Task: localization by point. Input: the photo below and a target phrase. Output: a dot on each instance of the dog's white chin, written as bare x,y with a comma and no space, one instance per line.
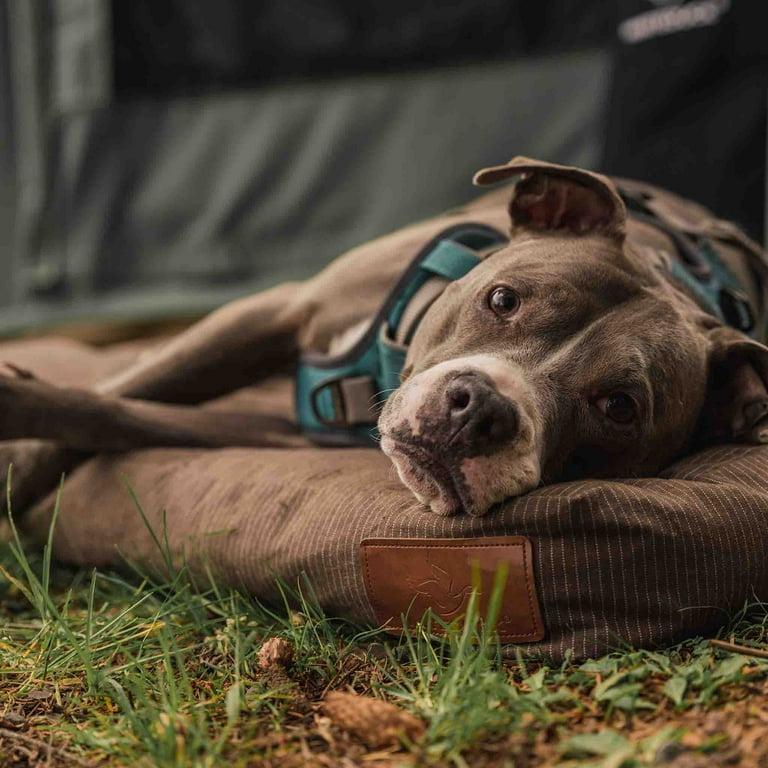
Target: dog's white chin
492,479
426,489
484,481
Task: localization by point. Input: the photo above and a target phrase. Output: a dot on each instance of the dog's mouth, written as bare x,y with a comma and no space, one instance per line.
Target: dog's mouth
434,481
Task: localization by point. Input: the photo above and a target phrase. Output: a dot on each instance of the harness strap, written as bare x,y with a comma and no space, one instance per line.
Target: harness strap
338,398
417,307
700,268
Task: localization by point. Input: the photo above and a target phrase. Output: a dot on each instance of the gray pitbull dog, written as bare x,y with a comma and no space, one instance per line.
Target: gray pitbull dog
572,351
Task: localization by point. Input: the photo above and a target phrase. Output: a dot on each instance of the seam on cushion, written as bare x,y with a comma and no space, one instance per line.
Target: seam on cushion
369,585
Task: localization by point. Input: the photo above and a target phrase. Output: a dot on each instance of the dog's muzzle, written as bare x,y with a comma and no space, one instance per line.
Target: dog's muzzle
462,435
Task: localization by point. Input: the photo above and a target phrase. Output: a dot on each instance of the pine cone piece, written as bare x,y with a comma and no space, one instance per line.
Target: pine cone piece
378,723
275,652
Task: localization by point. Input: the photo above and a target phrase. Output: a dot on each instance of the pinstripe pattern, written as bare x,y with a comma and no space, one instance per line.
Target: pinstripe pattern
642,561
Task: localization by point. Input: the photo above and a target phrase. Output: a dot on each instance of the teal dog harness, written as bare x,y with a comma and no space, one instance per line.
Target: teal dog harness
701,269
338,396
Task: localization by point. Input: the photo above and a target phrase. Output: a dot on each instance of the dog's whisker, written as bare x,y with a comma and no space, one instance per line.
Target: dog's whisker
382,392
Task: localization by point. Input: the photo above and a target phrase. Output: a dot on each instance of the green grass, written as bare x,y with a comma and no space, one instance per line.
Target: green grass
100,668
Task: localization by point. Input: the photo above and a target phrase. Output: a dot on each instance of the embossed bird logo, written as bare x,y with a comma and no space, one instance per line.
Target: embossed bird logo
441,591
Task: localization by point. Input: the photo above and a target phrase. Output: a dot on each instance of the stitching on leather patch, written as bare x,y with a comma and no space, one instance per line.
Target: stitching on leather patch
407,576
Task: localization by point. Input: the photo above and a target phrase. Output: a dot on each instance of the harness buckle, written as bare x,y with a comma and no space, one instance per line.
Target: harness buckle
736,309
350,400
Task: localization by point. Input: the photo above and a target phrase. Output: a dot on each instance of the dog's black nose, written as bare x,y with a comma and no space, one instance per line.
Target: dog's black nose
479,419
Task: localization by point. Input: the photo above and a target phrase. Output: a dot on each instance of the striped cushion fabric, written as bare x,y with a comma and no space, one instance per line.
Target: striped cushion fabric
643,562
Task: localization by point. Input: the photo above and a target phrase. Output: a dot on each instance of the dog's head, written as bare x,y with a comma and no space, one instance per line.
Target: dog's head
564,354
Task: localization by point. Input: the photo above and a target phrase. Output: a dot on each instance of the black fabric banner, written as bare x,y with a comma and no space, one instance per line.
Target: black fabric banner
688,102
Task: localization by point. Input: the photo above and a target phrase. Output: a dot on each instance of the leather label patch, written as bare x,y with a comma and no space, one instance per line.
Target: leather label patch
407,576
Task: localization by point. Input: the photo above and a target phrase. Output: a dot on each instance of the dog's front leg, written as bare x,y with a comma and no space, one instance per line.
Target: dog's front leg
241,343
88,421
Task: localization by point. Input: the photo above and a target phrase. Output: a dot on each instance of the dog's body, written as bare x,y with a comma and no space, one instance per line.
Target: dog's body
571,351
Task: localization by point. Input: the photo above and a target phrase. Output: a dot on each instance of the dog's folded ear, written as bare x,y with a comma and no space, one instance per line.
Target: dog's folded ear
559,198
736,409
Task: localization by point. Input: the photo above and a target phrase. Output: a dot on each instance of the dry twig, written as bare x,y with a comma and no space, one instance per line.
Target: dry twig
744,650
39,744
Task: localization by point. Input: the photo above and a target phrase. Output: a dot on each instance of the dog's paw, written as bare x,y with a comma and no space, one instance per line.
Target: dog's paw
11,370
19,388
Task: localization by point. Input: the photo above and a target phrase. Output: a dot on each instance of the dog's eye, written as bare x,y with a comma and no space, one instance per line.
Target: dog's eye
503,301
618,407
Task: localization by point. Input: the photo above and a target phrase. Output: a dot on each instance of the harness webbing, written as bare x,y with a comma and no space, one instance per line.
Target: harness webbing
701,269
338,397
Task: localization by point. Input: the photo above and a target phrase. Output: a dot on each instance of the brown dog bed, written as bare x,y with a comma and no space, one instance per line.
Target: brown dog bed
593,565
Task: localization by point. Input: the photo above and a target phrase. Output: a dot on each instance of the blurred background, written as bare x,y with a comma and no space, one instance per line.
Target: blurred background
160,157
